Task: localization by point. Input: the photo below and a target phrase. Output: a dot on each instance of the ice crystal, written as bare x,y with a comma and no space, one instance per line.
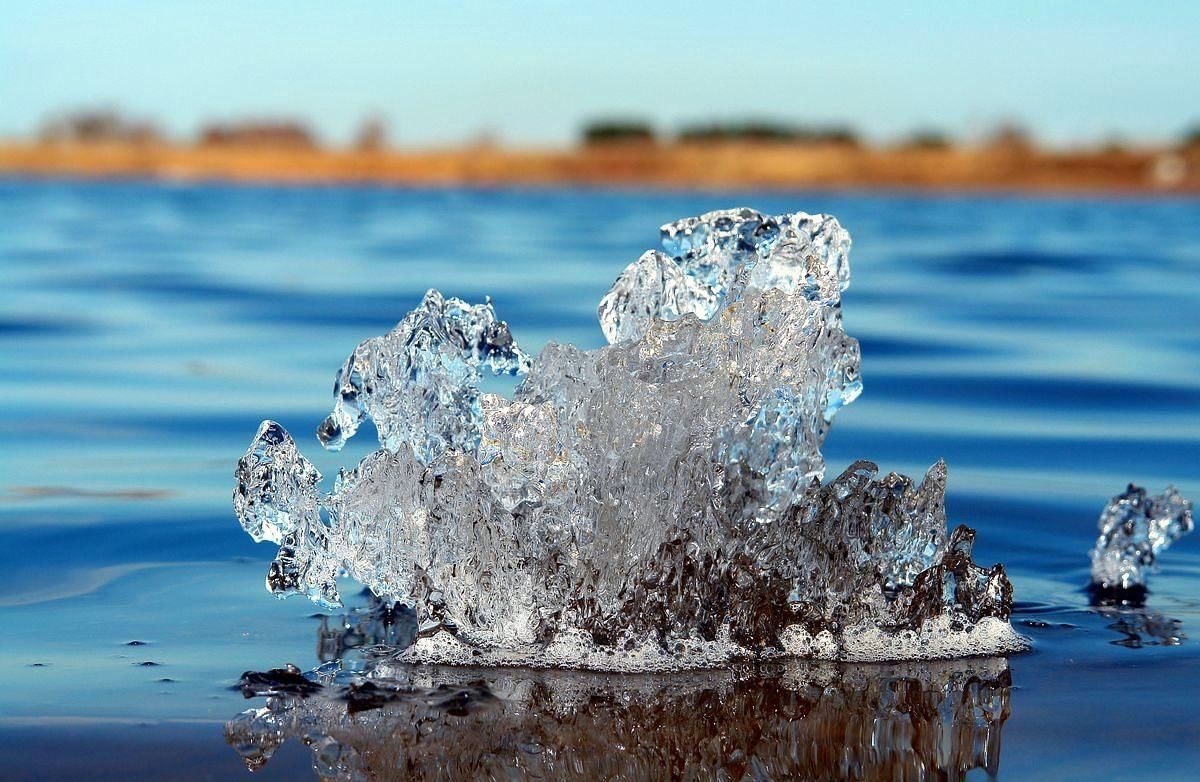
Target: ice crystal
419,383
658,497
1134,529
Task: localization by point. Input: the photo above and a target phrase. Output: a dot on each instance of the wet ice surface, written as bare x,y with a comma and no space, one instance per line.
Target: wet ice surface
651,505
141,318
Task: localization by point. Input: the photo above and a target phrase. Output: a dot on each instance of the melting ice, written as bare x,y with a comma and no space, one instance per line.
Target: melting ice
652,504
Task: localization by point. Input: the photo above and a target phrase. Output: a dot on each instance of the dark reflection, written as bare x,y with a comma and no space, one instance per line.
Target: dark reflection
1144,628
366,717
787,721
1138,625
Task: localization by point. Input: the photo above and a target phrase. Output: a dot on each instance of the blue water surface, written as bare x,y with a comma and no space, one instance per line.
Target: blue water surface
1047,348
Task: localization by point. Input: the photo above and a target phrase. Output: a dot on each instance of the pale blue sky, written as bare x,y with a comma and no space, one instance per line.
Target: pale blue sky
531,72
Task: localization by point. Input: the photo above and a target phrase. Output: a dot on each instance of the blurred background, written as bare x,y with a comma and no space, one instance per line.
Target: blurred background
204,207
1076,96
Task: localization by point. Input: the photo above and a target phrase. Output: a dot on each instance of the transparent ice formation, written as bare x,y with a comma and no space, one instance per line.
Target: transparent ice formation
419,383
652,504
1134,529
790,720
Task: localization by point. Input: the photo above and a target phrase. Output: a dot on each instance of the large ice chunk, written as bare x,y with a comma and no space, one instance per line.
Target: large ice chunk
653,503
1134,529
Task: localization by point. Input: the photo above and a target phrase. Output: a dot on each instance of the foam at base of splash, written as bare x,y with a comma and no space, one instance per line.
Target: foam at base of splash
574,649
936,640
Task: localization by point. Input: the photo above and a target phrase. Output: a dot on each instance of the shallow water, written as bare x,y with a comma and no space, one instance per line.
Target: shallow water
1048,349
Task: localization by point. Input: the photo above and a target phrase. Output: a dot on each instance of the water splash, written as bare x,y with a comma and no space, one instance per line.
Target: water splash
653,504
1135,528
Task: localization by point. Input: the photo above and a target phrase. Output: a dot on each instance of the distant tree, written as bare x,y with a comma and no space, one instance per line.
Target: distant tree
763,130
259,133
838,135
1191,137
766,131
927,138
617,131
372,135
1009,136
703,132
1114,145
749,130
97,125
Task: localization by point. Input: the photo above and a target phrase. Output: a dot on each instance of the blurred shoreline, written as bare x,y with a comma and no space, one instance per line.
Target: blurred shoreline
685,165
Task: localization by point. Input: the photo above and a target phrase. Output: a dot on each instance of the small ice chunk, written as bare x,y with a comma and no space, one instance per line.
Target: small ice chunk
276,492
419,383
1135,529
277,499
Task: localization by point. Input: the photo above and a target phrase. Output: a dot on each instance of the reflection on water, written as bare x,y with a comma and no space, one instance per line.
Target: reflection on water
1144,628
364,716
788,721
1137,625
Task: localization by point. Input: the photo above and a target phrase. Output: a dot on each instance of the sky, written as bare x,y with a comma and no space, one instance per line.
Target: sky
532,73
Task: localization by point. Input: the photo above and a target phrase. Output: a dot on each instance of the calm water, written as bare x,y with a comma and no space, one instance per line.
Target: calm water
1048,349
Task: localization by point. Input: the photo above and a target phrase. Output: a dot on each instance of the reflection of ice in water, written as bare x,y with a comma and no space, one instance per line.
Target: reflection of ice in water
794,720
654,504
1142,627
1138,625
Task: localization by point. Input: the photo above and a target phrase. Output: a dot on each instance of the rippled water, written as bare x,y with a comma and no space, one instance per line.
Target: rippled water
1049,349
